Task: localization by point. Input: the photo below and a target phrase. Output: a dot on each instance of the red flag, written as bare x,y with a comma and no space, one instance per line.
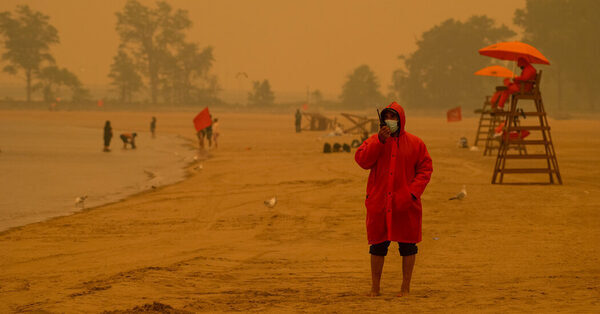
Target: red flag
100,102
304,107
202,120
454,114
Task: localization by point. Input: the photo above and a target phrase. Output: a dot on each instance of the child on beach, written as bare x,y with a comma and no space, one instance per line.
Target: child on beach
400,168
215,131
128,138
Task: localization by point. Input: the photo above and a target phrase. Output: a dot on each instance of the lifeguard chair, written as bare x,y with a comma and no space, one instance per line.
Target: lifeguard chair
483,128
493,120
548,156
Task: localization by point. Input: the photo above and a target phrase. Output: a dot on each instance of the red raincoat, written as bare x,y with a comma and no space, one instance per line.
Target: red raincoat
400,171
528,74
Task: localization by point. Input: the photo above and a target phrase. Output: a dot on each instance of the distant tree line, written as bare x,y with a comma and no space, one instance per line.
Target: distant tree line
27,37
566,31
439,73
155,53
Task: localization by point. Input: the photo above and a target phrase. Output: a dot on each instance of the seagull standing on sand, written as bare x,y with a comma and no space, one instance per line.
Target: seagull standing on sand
271,202
80,201
461,195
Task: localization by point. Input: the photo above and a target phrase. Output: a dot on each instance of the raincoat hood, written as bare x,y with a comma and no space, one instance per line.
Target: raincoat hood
521,62
399,111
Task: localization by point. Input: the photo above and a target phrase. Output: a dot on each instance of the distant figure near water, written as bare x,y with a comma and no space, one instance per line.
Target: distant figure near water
107,136
128,138
153,127
298,121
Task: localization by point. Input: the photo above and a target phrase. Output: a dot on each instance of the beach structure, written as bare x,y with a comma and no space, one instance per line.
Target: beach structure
361,124
528,89
548,157
317,122
485,120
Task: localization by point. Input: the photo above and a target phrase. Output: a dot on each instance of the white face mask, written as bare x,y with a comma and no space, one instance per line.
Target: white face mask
392,124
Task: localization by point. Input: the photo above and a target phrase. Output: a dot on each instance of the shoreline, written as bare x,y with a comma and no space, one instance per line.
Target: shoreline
35,160
188,173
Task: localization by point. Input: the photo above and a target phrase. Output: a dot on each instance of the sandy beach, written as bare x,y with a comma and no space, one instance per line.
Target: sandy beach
209,243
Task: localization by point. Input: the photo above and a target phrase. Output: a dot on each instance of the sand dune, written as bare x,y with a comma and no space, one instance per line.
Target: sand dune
210,244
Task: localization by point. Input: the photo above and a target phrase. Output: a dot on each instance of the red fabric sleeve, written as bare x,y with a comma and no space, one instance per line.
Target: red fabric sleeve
423,170
527,74
367,154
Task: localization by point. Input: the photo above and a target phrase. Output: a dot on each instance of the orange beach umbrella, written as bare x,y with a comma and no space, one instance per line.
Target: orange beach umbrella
495,70
514,50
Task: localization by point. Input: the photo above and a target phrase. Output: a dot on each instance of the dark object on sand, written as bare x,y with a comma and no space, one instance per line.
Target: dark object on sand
355,143
462,143
337,147
327,148
346,148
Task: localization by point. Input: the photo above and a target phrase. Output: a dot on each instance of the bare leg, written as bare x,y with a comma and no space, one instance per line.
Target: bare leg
376,270
408,263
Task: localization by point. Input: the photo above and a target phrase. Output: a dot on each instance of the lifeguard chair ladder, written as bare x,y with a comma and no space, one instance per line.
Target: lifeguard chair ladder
492,143
549,154
483,128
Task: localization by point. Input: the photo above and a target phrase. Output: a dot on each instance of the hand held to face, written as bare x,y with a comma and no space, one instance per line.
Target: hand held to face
384,133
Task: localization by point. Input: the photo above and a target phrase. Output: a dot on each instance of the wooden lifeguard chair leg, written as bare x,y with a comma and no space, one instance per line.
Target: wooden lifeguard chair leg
485,116
504,143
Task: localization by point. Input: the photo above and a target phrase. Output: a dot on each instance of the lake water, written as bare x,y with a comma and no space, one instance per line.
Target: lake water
44,168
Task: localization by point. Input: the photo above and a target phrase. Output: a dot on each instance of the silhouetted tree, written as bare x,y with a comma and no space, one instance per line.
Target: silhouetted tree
150,34
53,78
28,37
124,76
361,89
185,77
440,72
261,95
564,32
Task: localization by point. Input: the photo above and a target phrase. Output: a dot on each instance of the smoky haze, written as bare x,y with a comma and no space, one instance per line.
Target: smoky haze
294,45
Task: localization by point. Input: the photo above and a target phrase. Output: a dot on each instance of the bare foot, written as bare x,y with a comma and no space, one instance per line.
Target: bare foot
373,293
404,291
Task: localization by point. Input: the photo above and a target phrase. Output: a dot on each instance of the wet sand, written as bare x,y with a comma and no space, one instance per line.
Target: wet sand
209,244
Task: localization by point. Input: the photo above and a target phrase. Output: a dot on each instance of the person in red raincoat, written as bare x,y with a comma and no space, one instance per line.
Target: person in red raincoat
528,73
400,168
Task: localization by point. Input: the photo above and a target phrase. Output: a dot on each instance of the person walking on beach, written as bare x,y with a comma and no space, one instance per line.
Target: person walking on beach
215,131
107,136
298,120
128,138
400,168
153,127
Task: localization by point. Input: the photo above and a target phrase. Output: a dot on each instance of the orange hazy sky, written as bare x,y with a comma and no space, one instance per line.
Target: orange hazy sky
294,44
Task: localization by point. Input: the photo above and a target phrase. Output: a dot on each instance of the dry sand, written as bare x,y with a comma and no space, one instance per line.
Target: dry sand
209,244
